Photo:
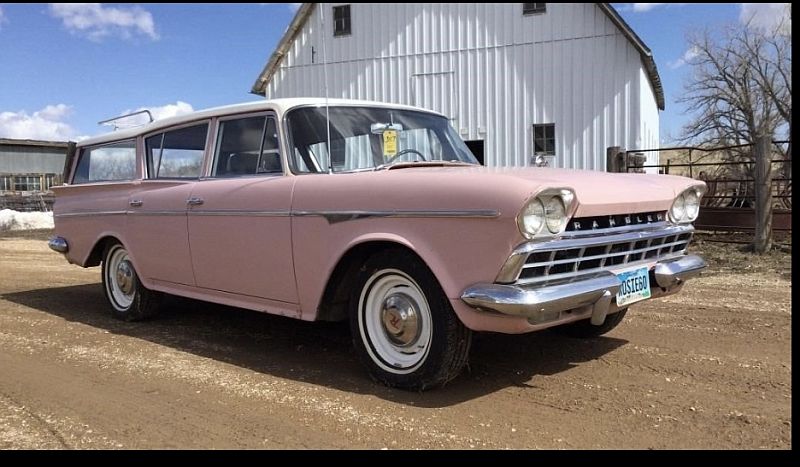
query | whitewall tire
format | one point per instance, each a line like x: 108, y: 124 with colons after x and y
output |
x: 129, y: 299
x: 403, y: 326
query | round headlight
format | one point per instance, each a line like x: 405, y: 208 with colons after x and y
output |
x: 679, y: 208
x: 692, y: 205
x: 555, y: 214
x: 531, y: 219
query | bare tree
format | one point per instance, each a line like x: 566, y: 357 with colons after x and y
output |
x: 741, y: 86
x: 740, y: 93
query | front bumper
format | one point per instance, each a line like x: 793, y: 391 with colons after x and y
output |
x: 545, y: 302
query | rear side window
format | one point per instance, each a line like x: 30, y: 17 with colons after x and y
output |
x: 112, y: 162
x: 176, y: 153
x: 247, y: 146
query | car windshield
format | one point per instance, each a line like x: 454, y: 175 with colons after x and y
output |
x: 367, y: 138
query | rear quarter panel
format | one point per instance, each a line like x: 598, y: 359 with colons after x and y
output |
x: 84, y: 214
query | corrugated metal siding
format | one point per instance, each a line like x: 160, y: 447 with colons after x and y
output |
x: 490, y: 69
x: 650, y: 131
x: 20, y: 159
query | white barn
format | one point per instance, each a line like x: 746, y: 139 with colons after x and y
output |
x: 565, y: 81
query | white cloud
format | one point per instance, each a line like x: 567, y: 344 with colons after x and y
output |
x: 642, y: 7
x: 687, y: 56
x: 645, y: 7
x: 158, y: 112
x: 97, y: 22
x: 2, y: 17
x: 766, y: 16
x: 46, y: 124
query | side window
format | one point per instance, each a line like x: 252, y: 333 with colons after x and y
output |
x: 112, y: 162
x: 247, y: 146
x: 341, y: 20
x: 177, y: 153
x: 533, y: 8
x: 544, y: 139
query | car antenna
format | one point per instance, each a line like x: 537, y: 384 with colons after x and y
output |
x: 325, y: 78
x: 116, y: 126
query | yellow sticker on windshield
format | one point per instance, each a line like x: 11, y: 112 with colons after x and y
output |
x: 389, y: 143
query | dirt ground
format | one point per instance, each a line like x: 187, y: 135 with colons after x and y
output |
x: 708, y: 368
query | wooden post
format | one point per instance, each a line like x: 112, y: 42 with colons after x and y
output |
x: 762, y: 242
x: 612, y: 163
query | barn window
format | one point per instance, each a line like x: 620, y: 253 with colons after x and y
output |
x: 544, y: 139
x: 341, y: 20
x: 533, y: 8
x: 27, y: 183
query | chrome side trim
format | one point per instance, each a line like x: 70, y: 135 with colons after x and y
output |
x: 90, y: 213
x: 342, y: 216
x: 157, y: 213
x: 671, y: 273
x: 239, y: 212
x: 58, y: 244
x: 331, y: 216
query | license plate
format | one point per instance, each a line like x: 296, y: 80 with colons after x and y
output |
x: 635, y: 286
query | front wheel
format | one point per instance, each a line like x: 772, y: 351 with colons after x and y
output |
x: 129, y: 299
x: 404, y: 328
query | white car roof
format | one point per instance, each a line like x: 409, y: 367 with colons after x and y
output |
x: 278, y: 105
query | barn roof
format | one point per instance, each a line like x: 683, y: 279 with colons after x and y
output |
x: 304, y: 12
x: 32, y: 142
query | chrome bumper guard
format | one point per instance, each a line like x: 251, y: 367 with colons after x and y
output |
x: 671, y: 273
x: 543, y: 302
x: 58, y: 244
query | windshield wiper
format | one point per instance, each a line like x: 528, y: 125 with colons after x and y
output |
x: 389, y: 165
x: 420, y: 164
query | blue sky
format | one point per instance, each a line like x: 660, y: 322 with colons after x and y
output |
x: 65, y: 67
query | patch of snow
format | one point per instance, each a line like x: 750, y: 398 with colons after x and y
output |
x: 13, y: 220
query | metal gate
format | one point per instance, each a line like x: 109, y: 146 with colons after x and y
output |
x: 728, y: 171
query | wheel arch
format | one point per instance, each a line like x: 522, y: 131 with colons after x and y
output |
x: 336, y: 294
x: 95, y: 256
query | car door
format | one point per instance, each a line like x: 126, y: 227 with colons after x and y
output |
x: 157, y: 223
x: 240, y: 230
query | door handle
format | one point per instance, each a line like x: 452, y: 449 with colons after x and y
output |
x: 135, y: 203
x: 194, y: 201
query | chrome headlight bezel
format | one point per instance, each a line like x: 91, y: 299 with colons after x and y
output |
x: 552, y: 223
x: 682, y: 213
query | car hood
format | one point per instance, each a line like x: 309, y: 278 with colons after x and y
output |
x: 598, y: 193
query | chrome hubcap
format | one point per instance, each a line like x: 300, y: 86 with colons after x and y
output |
x: 395, y: 321
x: 125, y: 277
x: 120, y: 279
x: 399, y: 316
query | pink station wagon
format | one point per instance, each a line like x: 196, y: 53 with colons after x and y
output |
x: 373, y: 213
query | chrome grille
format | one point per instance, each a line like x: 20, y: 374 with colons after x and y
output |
x: 582, y: 253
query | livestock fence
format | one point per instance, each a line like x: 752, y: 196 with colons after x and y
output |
x: 749, y: 185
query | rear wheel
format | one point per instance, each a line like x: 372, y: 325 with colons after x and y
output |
x: 585, y: 329
x: 404, y: 328
x: 129, y: 299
